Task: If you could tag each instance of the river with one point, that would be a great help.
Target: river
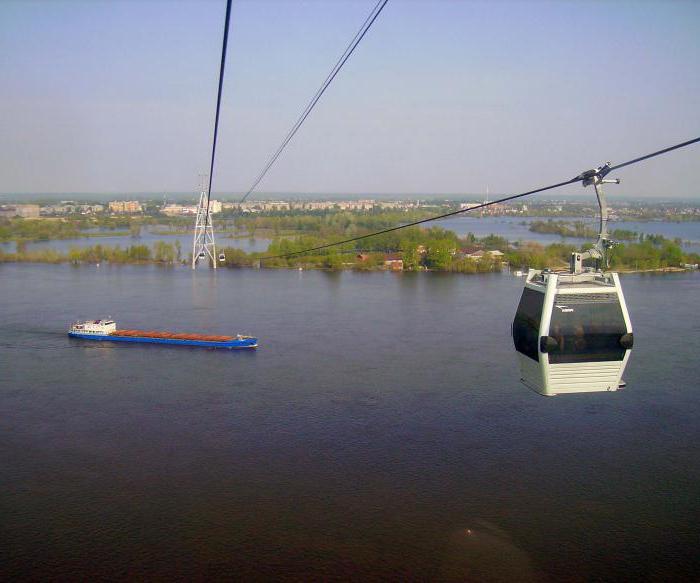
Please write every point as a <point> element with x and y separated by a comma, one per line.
<point>379,432</point>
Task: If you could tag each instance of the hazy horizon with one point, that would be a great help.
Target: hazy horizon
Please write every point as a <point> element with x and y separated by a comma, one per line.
<point>9,198</point>
<point>440,97</point>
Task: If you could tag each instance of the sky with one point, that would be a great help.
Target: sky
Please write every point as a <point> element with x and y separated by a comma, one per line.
<point>440,97</point>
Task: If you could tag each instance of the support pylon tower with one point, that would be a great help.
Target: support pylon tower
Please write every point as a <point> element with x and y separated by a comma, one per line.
<point>203,245</point>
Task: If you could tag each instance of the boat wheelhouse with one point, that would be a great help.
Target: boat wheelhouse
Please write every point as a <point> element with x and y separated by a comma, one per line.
<point>98,327</point>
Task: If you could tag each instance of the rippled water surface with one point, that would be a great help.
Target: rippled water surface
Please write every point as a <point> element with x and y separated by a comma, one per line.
<point>380,432</point>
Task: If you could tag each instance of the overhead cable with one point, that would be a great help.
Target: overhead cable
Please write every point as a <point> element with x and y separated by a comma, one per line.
<point>578,178</point>
<point>359,35</point>
<point>657,153</point>
<point>218,105</point>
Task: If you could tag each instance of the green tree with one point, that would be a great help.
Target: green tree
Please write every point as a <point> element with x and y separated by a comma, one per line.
<point>333,260</point>
<point>164,252</point>
<point>439,255</point>
<point>411,257</point>
<point>237,258</point>
<point>139,253</point>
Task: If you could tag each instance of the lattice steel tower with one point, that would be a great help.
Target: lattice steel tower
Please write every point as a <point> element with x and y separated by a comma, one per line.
<point>203,245</point>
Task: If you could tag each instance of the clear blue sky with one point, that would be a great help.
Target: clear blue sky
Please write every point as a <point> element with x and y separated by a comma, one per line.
<point>440,97</point>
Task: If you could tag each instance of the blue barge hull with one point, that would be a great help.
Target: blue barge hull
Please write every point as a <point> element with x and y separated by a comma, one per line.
<point>231,344</point>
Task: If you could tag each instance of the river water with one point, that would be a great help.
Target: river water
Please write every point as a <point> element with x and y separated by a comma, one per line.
<point>379,432</point>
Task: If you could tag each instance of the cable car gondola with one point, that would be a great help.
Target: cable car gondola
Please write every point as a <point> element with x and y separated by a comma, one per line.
<point>222,257</point>
<point>572,330</point>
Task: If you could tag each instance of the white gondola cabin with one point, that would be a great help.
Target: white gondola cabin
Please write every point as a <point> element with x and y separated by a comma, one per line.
<point>572,330</point>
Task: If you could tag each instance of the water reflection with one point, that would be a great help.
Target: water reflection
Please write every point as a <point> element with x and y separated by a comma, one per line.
<point>484,552</point>
<point>204,289</point>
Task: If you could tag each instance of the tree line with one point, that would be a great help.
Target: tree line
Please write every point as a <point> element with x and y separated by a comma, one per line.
<point>419,248</point>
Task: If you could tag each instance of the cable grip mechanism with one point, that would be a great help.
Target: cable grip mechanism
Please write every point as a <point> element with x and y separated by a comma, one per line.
<point>596,177</point>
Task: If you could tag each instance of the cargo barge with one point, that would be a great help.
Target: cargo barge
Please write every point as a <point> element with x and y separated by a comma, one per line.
<point>107,330</point>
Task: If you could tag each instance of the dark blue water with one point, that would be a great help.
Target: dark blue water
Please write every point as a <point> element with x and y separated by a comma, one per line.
<point>380,432</point>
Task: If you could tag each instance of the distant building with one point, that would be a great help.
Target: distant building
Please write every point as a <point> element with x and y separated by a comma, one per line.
<point>274,205</point>
<point>241,206</point>
<point>465,251</point>
<point>68,208</point>
<point>317,205</point>
<point>57,209</point>
<point>88,209</point>
<point>355,205</point>
<point>27,211</point>
<point>475,256</point>
<point>184,210</point>
<point>495,209</point>
<point>125,206</point>
<point>393,262</point>
<point>480,253</point>
<point>176,210</point>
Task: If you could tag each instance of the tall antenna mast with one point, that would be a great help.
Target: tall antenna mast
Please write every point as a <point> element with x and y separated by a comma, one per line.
<point>203,245</point>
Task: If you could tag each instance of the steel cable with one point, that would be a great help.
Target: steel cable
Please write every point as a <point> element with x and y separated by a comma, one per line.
<point>359,35</point>
<point>218,106</point>
<point>483,205</point>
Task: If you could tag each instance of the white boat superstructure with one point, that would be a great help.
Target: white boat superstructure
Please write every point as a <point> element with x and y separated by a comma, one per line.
<point>96,327</point>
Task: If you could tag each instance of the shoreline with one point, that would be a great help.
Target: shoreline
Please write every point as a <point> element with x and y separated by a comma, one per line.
<point>668,269</point>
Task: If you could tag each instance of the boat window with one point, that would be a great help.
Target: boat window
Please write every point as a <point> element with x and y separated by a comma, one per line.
<point>587,328</point>
<point>526,326</point>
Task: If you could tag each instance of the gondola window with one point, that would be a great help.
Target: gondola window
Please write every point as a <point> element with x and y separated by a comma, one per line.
<point>526,326</point>
<point>586,329</point>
